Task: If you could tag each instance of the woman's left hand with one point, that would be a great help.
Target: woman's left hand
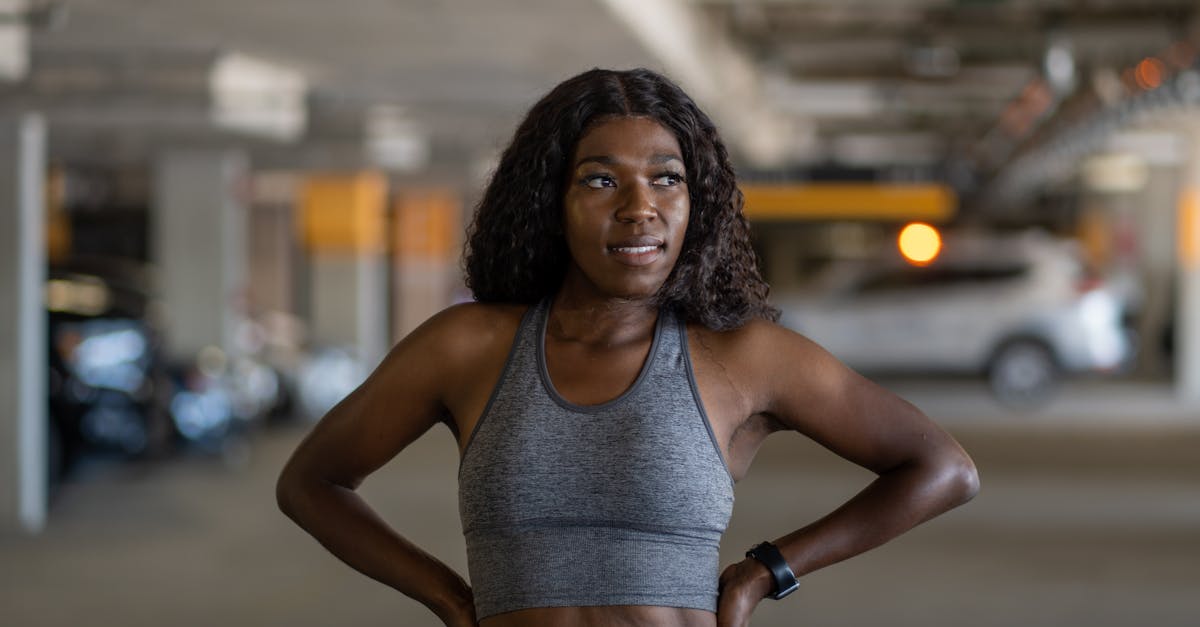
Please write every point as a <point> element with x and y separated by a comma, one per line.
<point>742,586</point>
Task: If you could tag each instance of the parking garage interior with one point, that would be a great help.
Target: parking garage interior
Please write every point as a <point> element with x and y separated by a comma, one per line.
<point>217,217</point>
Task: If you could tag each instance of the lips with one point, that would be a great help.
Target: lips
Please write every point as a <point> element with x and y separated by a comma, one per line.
<point>638,250</point>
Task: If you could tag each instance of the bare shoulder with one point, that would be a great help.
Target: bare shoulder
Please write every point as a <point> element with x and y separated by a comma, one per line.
<point>792,383</point>
<point>782,373</point>
<point>463,334</point>
<point>475,317</point>
<point>760,348</point>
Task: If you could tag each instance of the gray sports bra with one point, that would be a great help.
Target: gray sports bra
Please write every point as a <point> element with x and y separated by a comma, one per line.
<point>621,503</point>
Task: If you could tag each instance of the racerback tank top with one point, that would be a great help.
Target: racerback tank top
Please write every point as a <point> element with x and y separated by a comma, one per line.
<point>621,503</point>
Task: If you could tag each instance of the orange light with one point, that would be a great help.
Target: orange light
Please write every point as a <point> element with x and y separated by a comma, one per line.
<point>919,243</point>
<point>1149,73</point>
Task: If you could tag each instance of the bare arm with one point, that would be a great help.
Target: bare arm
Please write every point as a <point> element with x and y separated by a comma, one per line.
<point>399,402</point>
<point>922,471</point>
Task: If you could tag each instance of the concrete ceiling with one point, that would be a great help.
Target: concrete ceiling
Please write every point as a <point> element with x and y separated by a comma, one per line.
<point>858,82</point>
<point>933,79</point>
<point>462,71</point>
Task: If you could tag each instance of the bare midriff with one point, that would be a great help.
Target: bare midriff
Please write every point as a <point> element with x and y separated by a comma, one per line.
<point>603,616</point>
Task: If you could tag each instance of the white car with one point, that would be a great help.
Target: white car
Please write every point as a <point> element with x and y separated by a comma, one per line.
<point>1020,310</point>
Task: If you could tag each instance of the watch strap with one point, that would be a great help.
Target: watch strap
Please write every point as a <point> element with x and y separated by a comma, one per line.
<point>785,580</point>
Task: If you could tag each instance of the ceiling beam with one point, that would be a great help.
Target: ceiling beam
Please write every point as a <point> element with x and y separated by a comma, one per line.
<point>718,74</point>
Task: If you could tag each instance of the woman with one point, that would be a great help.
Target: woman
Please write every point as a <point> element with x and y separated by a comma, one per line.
<point>618,373</point>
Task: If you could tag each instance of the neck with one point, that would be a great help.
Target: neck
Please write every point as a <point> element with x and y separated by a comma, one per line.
<point>585,316</point>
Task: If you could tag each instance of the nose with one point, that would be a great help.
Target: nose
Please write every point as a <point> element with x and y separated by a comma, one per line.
<point>636,204</point>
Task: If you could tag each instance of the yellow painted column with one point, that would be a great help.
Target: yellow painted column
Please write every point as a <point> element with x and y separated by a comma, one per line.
<point>343,226</point>
<point>427,240</point>
<point>58,224</point>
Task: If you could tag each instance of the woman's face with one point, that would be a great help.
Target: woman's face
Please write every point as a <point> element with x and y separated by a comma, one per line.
<point>626,208</point>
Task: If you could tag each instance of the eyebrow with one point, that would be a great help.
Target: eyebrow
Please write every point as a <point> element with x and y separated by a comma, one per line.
<point>607,160</point>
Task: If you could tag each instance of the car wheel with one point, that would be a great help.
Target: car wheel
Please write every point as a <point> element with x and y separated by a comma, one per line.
<point>1023,374</point>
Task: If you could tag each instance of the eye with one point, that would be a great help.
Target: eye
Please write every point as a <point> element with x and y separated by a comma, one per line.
<point>667,179</point>
<point>598,181</point>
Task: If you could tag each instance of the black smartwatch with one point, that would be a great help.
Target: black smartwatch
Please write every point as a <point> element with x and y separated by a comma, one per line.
<point>785,580</point>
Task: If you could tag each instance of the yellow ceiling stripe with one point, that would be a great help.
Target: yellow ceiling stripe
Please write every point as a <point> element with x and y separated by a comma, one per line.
<point>930,202</point>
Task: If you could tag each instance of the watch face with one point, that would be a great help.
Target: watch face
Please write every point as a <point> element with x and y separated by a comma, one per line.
<point>792,588</point>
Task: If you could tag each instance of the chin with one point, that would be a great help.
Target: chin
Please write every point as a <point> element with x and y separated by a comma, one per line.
<point>620,283</point>
<point>637,291</point>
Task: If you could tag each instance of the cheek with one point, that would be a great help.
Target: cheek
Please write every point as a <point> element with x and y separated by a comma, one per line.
<point>679,221</point>
<point>572,218</point>
<point>580,230</point>
<point>683,215</point>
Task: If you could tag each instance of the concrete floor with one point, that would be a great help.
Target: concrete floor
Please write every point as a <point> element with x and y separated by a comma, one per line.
<point>1080,522</point>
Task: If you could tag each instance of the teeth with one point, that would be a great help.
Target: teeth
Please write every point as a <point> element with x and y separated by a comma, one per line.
<point>635,250</point>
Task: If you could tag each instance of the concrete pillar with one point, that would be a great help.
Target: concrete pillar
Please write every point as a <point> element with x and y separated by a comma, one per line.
<point>23,343</point>
<point>349,307</point>
<point>1154,219</point>
<point>14,41</point>
<point>343,222</point>
<point>198,240</point>
<point>1187,313</point>
<point>1127,226</point>
<point>272,250</point>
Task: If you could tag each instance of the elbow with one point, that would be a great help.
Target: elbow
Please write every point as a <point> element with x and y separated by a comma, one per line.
<point>288,493</point>
<point>283,495</point>
<point>960,478</point>
<point>301,493</point>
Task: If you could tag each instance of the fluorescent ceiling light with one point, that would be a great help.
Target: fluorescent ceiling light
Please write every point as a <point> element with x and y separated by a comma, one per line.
<point>14,40</point>
<point>1115,173</point>
<point>393,141</point>
<point>257,97</point>
<point>1156,147</point>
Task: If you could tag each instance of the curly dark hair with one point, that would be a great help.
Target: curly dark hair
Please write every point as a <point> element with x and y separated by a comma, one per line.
<point>516,249</point>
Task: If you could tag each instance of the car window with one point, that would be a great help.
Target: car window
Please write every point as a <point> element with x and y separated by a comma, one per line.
<point>910,278</point>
